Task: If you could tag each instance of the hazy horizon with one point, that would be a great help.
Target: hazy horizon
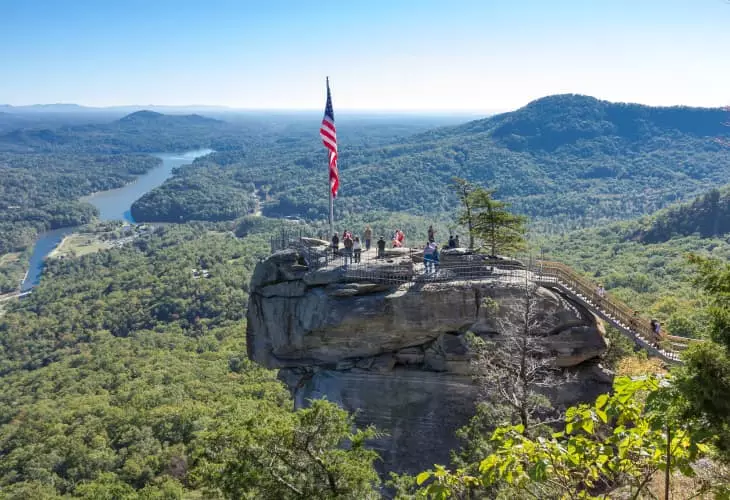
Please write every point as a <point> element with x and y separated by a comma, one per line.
<point>228,109</point>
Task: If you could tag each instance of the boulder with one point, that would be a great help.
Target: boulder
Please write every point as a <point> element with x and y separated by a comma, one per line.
<point>314,242</point>
<point>383,363</point>
<point>453,346</point>
<point>575,345</point>
<point>325,276</point>
<point>395,352</point>
<point>298,318</point>
<point>281,266</point>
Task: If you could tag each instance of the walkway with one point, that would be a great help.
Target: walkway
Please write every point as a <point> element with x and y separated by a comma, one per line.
<point>407,269</point>
<point>610,309</point>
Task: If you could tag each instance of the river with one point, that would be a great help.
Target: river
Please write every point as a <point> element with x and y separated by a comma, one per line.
<point>114,204</point>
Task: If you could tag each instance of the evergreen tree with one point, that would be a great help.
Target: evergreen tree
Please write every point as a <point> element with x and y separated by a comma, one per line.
<point>464,190</point>
<point>500,229</point>
<point>705,378</point>
<point>488,219</point>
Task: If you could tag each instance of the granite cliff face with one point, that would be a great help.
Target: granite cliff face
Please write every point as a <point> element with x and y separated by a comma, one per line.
<point>396,350</point>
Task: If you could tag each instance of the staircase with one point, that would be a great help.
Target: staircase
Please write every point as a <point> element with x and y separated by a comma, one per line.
<point>622,317</point>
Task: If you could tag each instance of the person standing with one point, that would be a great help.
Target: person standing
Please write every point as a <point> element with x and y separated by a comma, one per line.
<point>656,329</point>
<point>428,263</point>
<point>349,244</point>
<point>357,249</point>
<point>431,234</point>
<point>335,245</point>
<point>456,241</point>
<point>452,241</point>
<point>381,248</point>
<point>436,262</point>
<point>368,235</point>
<point>634,322</point>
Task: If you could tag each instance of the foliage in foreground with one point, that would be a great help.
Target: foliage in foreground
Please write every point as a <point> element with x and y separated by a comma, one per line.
<point>705,378</point>
<point>620,441</point>
<point>288,455</point>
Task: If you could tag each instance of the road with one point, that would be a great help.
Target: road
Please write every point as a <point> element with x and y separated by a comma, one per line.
<point>15,295</point>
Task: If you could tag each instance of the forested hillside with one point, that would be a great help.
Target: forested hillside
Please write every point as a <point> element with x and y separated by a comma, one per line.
<point>645,261</point>
<point>40,192</point>
<point>202,191</point>
<point>139,132</point>
<point>124,375</point>
<point>571,160</point>
<point>706,216</point>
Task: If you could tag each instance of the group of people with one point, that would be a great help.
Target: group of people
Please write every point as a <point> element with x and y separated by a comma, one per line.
<point>352,251</point>
<point>399,239</point>
<point>353,246</point>
<point>453,240</point>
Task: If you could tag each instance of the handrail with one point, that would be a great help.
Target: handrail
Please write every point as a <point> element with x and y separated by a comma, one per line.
<point>608,303</point>
<point>612,309</point>
<point>542,271</point>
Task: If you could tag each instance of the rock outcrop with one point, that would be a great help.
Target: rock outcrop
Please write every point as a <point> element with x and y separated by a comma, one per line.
<point>380,341</point>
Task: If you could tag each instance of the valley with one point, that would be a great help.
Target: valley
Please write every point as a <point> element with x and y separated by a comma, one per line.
<point>128,369</point>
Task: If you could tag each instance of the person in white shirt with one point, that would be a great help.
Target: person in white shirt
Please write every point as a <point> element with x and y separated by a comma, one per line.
<point>357,249</point>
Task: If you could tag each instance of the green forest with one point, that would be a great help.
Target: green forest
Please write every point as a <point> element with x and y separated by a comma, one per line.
<point>125,374</point>
<point>39,192</point>
<point>565,161</point>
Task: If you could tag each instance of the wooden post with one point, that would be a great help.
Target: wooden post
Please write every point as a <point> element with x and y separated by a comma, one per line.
<point>669,461</point>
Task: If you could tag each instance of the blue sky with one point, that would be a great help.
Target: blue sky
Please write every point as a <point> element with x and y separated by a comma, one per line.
<point>380,55</point>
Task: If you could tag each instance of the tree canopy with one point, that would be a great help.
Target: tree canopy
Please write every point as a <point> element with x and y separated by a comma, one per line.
<point>125,375</point>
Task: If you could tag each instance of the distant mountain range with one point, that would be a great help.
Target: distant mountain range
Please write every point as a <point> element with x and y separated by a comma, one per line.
<point>571,158</point>
<point>568,160</point>
<point>138,132</point>
<point>76,108</point>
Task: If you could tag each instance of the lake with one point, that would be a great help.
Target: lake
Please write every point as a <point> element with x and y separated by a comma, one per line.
<point>114,204</point>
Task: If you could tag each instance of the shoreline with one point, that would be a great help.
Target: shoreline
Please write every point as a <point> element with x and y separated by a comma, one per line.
<point>34,265</point>
<point>137,177</point>
<point>52,254</point>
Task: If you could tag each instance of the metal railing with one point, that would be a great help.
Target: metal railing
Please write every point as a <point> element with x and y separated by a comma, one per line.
<point>407,268</point>
<point>611,308</point>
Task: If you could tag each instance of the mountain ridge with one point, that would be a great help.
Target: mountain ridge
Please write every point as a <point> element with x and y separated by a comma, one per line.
<point>528,121</point>
<point>573,157</point>
<point>138,132</point>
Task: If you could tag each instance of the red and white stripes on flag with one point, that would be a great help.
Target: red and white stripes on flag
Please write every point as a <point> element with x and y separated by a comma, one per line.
<point>329,139</point>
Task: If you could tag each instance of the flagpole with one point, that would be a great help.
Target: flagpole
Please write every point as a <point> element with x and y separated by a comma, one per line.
<point>332,212</point>
<point>329,181</point>
<point>329,138</point>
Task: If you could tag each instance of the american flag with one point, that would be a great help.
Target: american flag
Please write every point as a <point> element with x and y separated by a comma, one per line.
<point>329,139</point>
